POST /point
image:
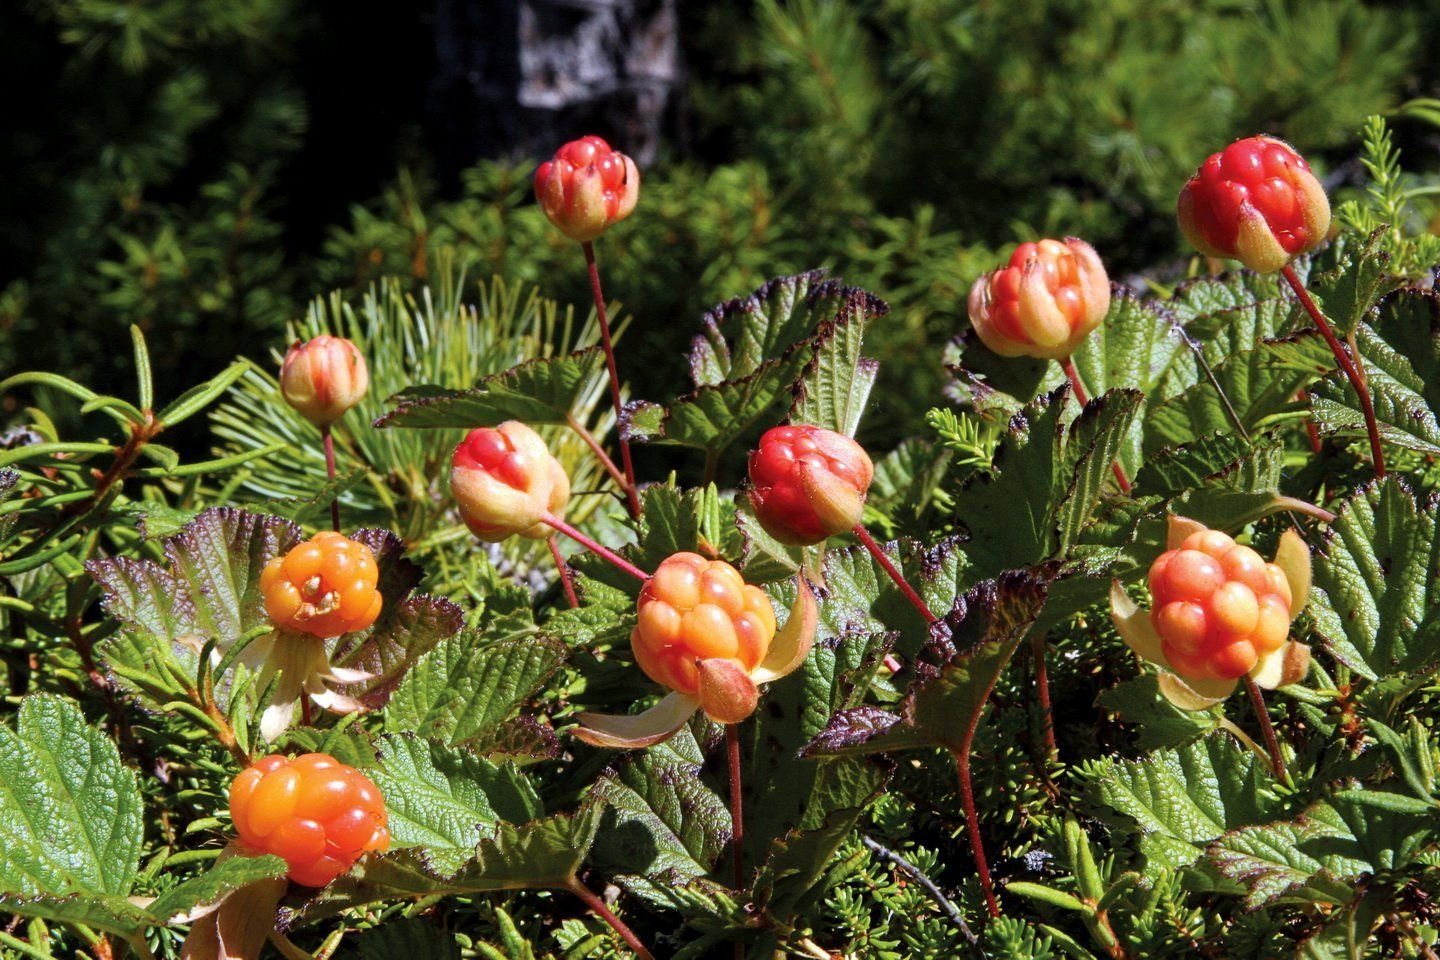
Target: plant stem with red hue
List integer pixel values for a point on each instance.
(631, 493)
(894, 573)
(1073, 375)
(1042, 685)
(1346, 364)
(599, 452)
(972, 819)
(1314, 432)
(564, 573)
(1272, 745)
(329, 441)
(602, 551)
(737, 821)
(597, 906)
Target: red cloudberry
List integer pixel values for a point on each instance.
(1257, 202)
(808, 483)
(324, 377)
(1044, 302)
(505, 482)
(323, 587)
(317, 813)
(586, 187)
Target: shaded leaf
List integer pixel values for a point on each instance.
(542, 390)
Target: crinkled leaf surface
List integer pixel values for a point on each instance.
(543, 390)
(1376, 602)
(445, 800)
(1401, 397)
(1157, 722)
(226, 875)
(836, 385)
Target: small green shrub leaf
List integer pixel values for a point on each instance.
(542, 390)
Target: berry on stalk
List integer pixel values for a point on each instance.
(586, 187)
(316, 813)
(1042, 303)
(324, 377)
(323, 587)
(1256, 201)
(808, 483)
(506, 482)
(1221, 612)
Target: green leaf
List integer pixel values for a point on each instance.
(1091, 446)
(715, 415)
(542, 854)
(416, 937)
(741, 336)
(1248, 465)
(199, 397)
(446, 800)
(1044, 894)
(955, 673)
(1179, 800)
(1376, 602)
(1158, 722)
(71, 820)
(542, 390)
(837, 384)
(1323, 855)
(1403, 411)
(225, 876)
(1349, 292)
(663, 822)
(466, 688)
(105, 913)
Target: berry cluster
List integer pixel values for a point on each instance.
(695, 609)
(324, 587)
(1043, 302)
(1219, 608)
(315, 812)
(586, 187)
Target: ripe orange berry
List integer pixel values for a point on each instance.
(326, 586)
(317, 813)
(1043, 302)
(697, 609)
(1218, 607)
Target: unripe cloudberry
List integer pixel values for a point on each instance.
(1218, 607)
(318, 814)
(694, 610)
(1044, 302)
(505, 482)
(323, 587)
(808, 483)
(586, 187)
(324, 377)
(1257, 202)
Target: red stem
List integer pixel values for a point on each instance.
(631, 493)
(894, 573)
(1073, 375)
(597, 906)
(1310, 428)
(737, 820)
(329, 442)
(598, 450)
(1042, 684)
(972, 819)
(595, 547)
(1272, 744)
(1346, 364)
(564, 573)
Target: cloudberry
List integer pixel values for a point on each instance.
(694, 610)
(1255, 201)
(808, 483)
(318, 814)
(505, 482)
(1044, 302)
(324, 377)
(586, 187)
(326, 586)
(1219, 608)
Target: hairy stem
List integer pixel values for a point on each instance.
(564, 571)
(972, 819)
(631, 493)
(594, 547)
(894, 573)
(1038, 647)
(329, 440)
(737, 820)
(597, 906)
(1073, 375)
(599, 452)
(1272, 744)
(1342, 357)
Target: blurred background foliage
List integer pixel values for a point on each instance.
(203, 170)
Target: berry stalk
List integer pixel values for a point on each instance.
(972, 819)
(631, 494)
(1068, 365)
(597, 906)
(595, 547)
(564, 572)
(1267, 731)
(737, 820)
(894, 573)
(328, 440)
(1042, 687)
(1346, 364)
